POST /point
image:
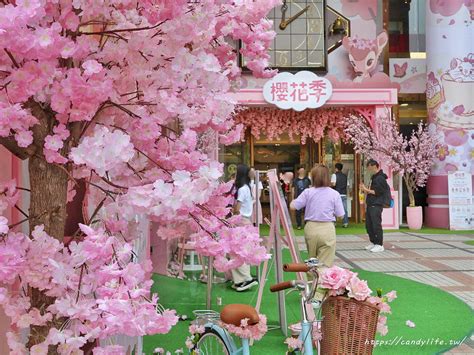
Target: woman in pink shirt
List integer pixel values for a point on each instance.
(322, 205)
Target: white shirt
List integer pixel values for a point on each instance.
(260, 186)
(244, 196)
(333, 178)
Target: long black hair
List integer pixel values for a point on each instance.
(241, 177)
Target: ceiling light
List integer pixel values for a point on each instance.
(404, 104)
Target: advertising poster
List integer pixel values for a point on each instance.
(460, 201)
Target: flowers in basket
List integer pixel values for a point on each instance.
(248, 331)
(343, 282)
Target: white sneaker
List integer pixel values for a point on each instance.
(377, 249)
(370, 246)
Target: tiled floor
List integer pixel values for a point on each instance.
(443, 261)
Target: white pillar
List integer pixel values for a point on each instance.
(449, 98)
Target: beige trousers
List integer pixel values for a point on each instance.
(320, 240)
(242, 273)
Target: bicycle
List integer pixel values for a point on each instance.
(216, 340)
(307, 299)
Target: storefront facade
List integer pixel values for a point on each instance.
(287, 153)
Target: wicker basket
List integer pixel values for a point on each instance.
(348, 326)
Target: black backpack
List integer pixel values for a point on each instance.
(388, 201)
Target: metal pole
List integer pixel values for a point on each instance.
(209, 282)
(257, 205)
(400, 200)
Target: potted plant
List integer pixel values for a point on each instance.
(411, 157)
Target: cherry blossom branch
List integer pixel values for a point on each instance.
(112, 184)
(133, 114)
(205, 208)
(80, 282)
(15, 63)
(21, 211)
(124, 29)
(96, 210)
(153, 161)
(201, 226)
(12, 146)
(29, 218)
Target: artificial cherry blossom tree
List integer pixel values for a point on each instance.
(412, 157)
(115, 95)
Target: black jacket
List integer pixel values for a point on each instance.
(380, 186)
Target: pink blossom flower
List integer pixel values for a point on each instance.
(196, 329)
(336, 279)
(384, 307)
(410, 324)
(293, 343)
(24, 138)
(358, 289)
(91, 67)
(3, 225)
(391, 296)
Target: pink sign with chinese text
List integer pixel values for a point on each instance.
(297, 91)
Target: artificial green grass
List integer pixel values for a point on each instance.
(359, 228)
(438, 315)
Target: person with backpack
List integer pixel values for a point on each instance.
(377, 197)
(339, 183)
(301, 183)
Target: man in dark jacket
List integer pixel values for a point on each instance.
(375, 200)
(339, 183)
(301, 183)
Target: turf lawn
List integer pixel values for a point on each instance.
(440, 318)
(359, 228)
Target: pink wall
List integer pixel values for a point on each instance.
(9, 169)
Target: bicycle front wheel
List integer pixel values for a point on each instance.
(211, 343)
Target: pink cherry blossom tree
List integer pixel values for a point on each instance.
(412, 157)
(115, 97)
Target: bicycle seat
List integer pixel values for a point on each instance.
(234, 313)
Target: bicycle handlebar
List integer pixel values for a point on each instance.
(281, 286)
(295, 267)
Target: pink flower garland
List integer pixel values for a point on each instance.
(314, 124)
(246, 331)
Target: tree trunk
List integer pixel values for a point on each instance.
(410, 189)
(48, 197)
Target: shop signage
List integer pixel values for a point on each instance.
(297, 91)
(461, 208)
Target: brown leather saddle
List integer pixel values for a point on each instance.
(234, 313)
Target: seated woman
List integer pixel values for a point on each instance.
(322, 205)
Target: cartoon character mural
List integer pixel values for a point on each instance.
(364, 54)
(400, 70)
(450, 102)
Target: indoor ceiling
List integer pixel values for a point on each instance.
(411, 112)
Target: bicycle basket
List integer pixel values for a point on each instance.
(349, 326)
